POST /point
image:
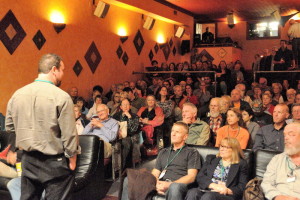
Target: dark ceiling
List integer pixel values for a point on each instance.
(246, 10)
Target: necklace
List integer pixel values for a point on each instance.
(237, 132)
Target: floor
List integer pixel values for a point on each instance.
(113, 187)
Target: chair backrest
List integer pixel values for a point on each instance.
(89, 161)
(204, 151)
(262, 159)
(6, 138)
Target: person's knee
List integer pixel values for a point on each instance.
(193, 194)
(209, 196)
(177, 188)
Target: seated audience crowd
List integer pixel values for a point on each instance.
(162, 113)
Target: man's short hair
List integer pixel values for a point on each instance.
(286, 108)
(47, 61)
(283, 41)
(294, 105)
(103, 105)
(127, 89)
(98, 88)
(191, 105)
(177, 86)
(183, 125)
(296, 124)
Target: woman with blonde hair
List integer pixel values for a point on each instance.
(224, 176)
(151, 116)
(277, 89)
(235, 128)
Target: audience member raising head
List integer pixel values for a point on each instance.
(199, 133)
(234, 129)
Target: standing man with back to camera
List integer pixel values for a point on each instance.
(42, 117)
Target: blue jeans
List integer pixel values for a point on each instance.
(176, 191)
(14, 188)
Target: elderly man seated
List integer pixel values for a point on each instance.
(215, 119)
(176, 167)
(237, 102)
(281, 180)
(104, 127)
(199, 132)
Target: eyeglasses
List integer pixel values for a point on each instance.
(225, 147)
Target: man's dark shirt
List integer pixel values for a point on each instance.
(287, 56)
(188, 158)
(269, 138)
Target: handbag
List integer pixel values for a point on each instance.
(253, 190)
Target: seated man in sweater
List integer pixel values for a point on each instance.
(104, 127)
(199, 131)
(176, 167)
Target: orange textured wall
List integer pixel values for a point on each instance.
(222, 53)
(250, 47)
(82, 29)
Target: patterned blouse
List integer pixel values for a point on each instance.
(167, 107)
(220, 173)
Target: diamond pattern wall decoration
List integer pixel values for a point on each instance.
(39, 39)
(151, 55)
(125, 58)
(166, 51)
(77, 68)
(138, 42)
(156, 48)
(174, 51)
(119, 51)
(11, 32)
(171, 42)
(93, 57)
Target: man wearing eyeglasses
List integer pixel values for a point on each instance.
(104, 127)
(282, 178)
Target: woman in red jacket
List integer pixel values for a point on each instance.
(151, 116)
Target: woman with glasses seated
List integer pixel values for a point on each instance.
(235, 128)
(224, 176)
(151, 116)
(114, 104)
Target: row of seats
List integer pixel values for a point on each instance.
(257, 161)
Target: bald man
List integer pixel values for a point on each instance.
(270, 137)
(236, 100)
(281, 180)
(104, 127)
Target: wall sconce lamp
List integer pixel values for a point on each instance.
(123, 34)
(230, 20)
(58, 21)
(58, 27)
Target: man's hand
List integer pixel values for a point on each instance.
(96, 123)
(11, 157)
(127, 114)
(72, 162)
(162, 186)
